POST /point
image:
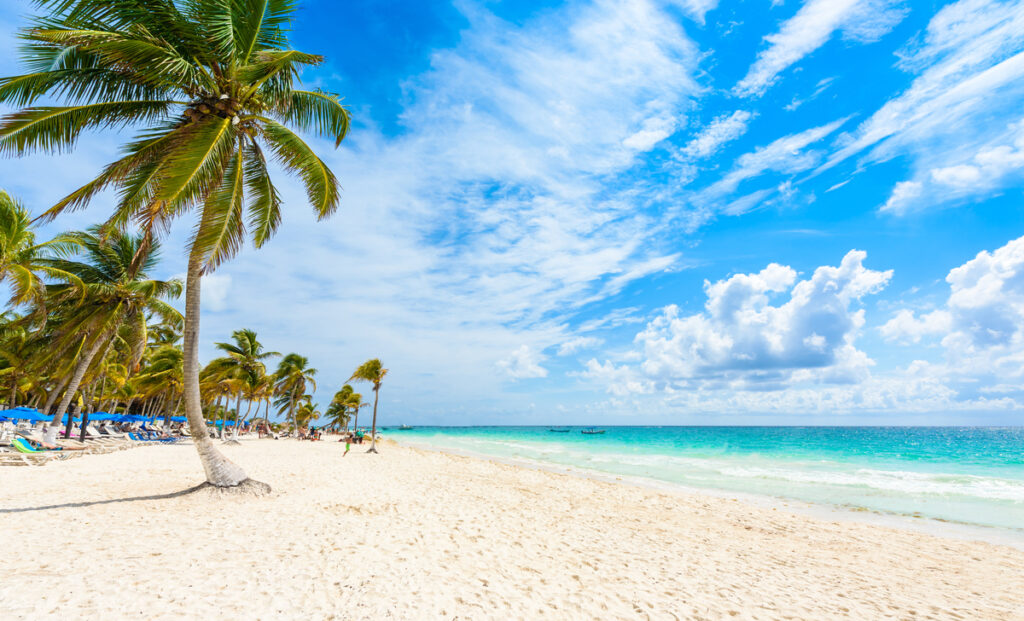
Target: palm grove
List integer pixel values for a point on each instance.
(211, 89)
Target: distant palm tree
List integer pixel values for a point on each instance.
(371, 371)
(294, 378)
(245, 363)
(213, 85)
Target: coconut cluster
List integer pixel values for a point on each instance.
(223, 107)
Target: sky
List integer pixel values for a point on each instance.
(643, 212)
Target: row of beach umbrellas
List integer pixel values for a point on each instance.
(35, 416)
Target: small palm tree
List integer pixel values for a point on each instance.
(371, 371)
(212, 85)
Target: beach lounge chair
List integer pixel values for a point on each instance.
(22, 446)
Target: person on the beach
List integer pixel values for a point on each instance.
(348, 444)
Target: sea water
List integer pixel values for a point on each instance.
(972, 475)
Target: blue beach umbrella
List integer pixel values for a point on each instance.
(23, 413)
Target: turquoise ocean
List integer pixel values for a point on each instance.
(971, 475)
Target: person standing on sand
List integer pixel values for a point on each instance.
(348, 444)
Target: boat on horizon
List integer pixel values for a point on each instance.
(591, 431)
(553, 430)
(404, 427)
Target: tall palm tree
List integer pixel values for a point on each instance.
(371, 371)
(294, 379)
(211, 82)
(23, 262)
(115, 301)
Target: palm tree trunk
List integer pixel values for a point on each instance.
(220, 471)
(54, 394)
(291, 414)
(69, 392)
(167, 419)
(234, 433)
(373, 428)
(266, 417)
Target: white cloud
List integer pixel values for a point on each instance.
(970, 79)
(720, 131)
(216, 290)
(743, 339)
(907, 328)
(523, 363)
(812, 26)
(786, 155)
(617, 380)
(964, 174)
(696, 9)
(980, 327)
(577, 343)
(903, 194)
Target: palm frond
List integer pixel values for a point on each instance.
(297, 157)
(317, 111)
(221, 230)
(264, 201)
(56, 128)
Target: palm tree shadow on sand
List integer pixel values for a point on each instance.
(254, 488)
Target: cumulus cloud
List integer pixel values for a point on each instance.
(812, 26)
(523, 363)
(980, 327)
(617, 380)
(904, 327)
(742, 338)
(983, 318)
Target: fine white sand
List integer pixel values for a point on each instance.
(409, 534)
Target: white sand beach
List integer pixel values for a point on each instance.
(410, 534)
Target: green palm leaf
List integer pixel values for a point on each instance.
(56, 128)
(297, 157)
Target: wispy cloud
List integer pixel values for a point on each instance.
(813, 25)
(717, 133)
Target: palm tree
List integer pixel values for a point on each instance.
(371, 371)
(294, 378)
(211, 82)
(305, 413)
(22, 260)
(116, 298)
(244, 362)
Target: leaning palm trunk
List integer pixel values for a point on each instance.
(220, 471)
(373, 427)
(55, 394)
(69, 392)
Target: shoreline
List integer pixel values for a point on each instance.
(959, 531)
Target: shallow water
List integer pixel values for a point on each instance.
(973, 475)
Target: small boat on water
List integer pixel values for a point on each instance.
(558, 430)
(591, 431)
(404, 427)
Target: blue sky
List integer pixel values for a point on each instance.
(666, 212)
